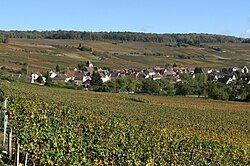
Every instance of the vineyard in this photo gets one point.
(43, 54)
(68, 127)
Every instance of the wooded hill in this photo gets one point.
(172, 39)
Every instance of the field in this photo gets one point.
(70, 127)
(44, 54)
(59, 126)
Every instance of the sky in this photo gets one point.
(227, 17)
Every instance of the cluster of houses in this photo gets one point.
(82, 77)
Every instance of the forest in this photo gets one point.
(171, 39)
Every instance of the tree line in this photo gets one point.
(198, 86)
(191, 39)
(3, 39)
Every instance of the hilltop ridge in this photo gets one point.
(190, 38)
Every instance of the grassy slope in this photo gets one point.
(226, 122)
(42, 54)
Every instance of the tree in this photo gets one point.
(81, 66)
(58, 68)
(96, 79)
(217, 91)
(176, 39)
(246, 41)
(190, 85)
(201, 77)
(84, 48)
(48, 80)
(200, 84)
(174, 65)
(168, 66)
(167, 88)
(128, 84)
(121, 84)
(2, 95)
(112, 85)
(183, 88)
(151, 87)
(80, 45)
(247, 91)
(106, 68)
(132, 84)
(4, 39)
(198, 70)
(225, 71)
(24, 70)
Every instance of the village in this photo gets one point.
(82, 77)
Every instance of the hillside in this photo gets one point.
(195, 115)
(60, 126)
(63, 125)
(44, 54)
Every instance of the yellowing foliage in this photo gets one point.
(68, 127)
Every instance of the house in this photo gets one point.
(81, 77)
(176, 69)
(89, 69)
(137, 71)
(244, 69)
(16, 75)
(117, 74)
(190, 70)
(174, 79)
(86, 77)
(182, 70)
(78, 78)
(89, 64)
(72, 69)
(156, 77)
(142, 76)
(149, 72)
(227, 79)
(86, 84)
(52, 74)
(216, 71)
(212, 78)
(207, 70)
(59, 78)
(35, 76)
(162, 72)
(131, 71)
(114, 74)
(169, 72)
(234, 69)
(105, 76)
(245, 79)
(70, 75)
(234, 78)
(133, 75)
(158, 69)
